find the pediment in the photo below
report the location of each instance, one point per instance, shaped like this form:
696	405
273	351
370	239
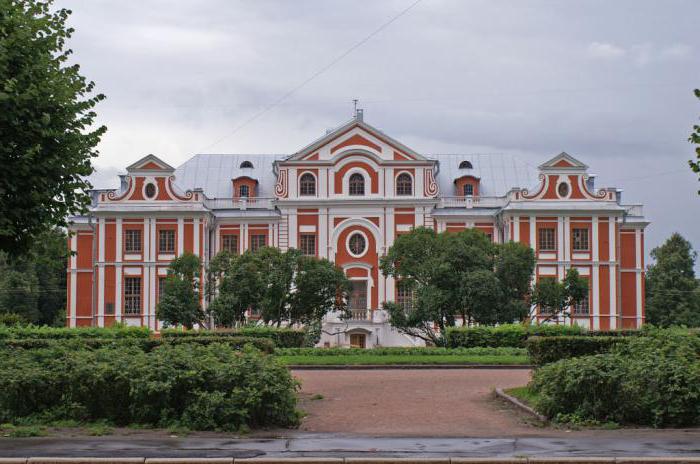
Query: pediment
563	161
150	163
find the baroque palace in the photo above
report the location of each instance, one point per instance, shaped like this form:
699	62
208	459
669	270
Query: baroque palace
345	197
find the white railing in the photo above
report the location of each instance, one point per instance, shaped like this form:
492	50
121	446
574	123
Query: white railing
471	202
239	203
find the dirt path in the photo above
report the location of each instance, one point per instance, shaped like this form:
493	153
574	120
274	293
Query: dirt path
411	402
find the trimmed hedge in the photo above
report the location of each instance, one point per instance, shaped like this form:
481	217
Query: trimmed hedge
282	337
407	351
45	332
545	350
212	387
142	344
652	380
507	335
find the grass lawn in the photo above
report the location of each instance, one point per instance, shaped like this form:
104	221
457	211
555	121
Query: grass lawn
365	359
524	394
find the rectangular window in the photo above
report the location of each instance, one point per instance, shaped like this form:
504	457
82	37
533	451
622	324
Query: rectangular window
166	241
581	239
582	308
546	239
404	296
132	295
161	287
229	242
307	244
257	241
468	190
132	241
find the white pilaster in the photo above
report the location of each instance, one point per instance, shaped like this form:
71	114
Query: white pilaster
118	293
293	240
595	296
195	239
323	233
595	252
516	229
118	241
180	236
533	232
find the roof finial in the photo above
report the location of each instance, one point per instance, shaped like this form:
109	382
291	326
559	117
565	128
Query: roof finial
354	109
357	111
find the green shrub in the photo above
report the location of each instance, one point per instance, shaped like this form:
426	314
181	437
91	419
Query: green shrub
143	344
545	350
393	351
282	337
644	381
10	319
207	387
512	335
45	332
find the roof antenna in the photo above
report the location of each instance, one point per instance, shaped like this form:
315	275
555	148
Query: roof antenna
357	112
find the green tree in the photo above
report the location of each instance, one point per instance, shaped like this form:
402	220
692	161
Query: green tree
33	284
695	139
47	138
453	277
319	287
240	287
557	298
180	302
672	292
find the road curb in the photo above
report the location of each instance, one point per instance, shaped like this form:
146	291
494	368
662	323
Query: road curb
377	460
519	404
316	367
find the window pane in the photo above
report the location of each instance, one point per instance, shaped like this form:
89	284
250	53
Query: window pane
243	191
581	239
468	190
582	308
307	185
257	241
132	241
132	295
404	296
229	242
546	239
166	241
307	244
357	184
404	185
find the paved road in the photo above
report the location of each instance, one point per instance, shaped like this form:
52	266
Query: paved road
339	446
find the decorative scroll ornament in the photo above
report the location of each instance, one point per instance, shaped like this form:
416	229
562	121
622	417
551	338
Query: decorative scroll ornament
601	194
281	186
171	190
114	195
431	187
544	181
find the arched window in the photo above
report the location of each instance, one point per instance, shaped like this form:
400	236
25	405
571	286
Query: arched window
404	184
465	165
468	190
243	191
356	184
246	164
307	185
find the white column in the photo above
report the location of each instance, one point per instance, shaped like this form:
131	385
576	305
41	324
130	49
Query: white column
516	229
145	281
567	238
323	183
118	292
323	233
533	233
595	296
638	273
154	243
244	237
180	236
152	297
293	183
612	234
292	232
118	241
561	245
101	275
146	239
73	280
270	237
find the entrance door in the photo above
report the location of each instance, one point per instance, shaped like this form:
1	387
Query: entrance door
357	340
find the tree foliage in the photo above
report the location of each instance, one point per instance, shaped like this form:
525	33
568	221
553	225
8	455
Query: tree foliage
457	276
280	286
180	302
47	138
672	292
557	298
33	284
695	139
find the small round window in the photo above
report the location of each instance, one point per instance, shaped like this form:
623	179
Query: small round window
563	189
150	190
357	244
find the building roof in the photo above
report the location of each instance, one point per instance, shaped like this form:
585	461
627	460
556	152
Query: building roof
213	173
498	173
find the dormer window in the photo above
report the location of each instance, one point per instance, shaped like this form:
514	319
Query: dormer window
246	164
468	190
150	190
243	191
466	165
356	185
307	185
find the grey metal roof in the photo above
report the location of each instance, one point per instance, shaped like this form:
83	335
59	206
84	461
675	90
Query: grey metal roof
498	172
213	173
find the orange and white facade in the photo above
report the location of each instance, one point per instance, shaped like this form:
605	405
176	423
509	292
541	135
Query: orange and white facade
346	197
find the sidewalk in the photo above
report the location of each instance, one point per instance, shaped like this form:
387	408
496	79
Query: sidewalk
338	446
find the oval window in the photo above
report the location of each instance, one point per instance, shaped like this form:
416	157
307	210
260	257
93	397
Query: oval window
563	189
357	244
150	190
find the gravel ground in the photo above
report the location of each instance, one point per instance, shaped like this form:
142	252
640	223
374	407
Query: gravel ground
412	402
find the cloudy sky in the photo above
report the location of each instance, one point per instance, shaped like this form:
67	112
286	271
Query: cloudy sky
608	82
